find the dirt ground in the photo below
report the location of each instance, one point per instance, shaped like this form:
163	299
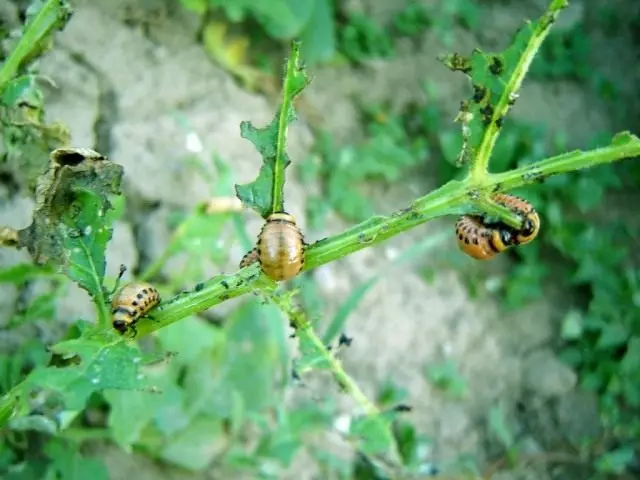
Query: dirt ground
118	87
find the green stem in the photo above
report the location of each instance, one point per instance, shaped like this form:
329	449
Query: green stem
483	154
277	197
488	206
52	15
442	201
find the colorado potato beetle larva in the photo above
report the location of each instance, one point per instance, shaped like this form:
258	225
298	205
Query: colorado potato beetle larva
280	248
480	241
518	205
131	303
483	241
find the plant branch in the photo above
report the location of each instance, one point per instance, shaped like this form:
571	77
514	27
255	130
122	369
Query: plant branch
442	201
483	154
52	15
277	199
507	216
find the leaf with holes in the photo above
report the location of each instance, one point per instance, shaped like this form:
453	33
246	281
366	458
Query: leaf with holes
73	217
265	194
496	79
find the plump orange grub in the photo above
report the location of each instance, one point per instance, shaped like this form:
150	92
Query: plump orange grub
479	241
280	247
133	301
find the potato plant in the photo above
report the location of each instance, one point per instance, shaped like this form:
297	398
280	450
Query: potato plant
217	389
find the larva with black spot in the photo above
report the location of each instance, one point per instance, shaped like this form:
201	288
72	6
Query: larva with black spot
484	241
520	206
480	241
280	247
131	303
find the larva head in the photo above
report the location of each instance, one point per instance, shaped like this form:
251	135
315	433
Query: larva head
530	228
122	318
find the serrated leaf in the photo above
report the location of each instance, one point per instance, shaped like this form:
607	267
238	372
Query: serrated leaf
496	79
265	194
94	366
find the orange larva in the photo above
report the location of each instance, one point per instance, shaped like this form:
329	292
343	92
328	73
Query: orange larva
131	303
518	205
483	241
280	247
480	241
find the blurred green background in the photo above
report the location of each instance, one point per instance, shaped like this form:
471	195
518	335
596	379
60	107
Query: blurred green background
558	317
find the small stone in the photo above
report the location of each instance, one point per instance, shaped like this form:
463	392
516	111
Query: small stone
546	375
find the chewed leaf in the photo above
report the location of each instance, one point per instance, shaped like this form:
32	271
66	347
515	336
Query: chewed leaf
93	366
72	222
265	194
496	79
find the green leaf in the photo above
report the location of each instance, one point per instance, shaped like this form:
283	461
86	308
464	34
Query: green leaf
630	364
615	461
23	272
346	307
265	194
258	332
42	18
131	411
373	433
196	6
318	37
8	405
612	335
93	366
68	464
448	378
197	445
